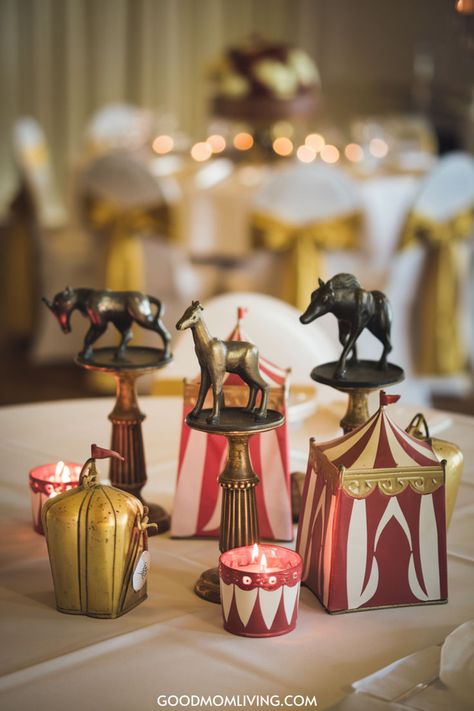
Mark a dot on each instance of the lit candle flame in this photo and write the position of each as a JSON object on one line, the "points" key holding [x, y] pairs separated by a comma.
{"points": [[263, 563], [59, 470], [254, 553]]}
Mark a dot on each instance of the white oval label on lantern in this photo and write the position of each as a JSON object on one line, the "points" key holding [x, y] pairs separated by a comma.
{"points": [[141, 571]]}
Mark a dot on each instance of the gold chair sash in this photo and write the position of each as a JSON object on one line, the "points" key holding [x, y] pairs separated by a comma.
{"points": [[437, 345], [304, 245], [125, 264]]}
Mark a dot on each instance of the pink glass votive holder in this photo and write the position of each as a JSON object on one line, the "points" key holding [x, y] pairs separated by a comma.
{"points": [[260, 587], [45, 483]]}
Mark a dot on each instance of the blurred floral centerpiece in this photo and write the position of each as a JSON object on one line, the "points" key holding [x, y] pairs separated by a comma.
{"points": [[262, 81]]}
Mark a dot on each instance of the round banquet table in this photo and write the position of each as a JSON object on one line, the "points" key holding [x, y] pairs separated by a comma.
{"points": [[174, 643]]}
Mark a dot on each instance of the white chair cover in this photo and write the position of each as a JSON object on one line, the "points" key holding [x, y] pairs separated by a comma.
{"points": [[445, 193], [33, 160], [303, 194], [448, 189], [118, 125]]}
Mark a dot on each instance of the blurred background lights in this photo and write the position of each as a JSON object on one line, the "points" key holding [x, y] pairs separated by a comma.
{"points": [[243, 141], [283, 146], [315, 141], [217, 142], [378, 147], [354, 152], [306, 154], [330, 154], [163, 144], [201, 151]]}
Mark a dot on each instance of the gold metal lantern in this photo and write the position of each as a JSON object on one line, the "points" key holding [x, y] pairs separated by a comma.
{"points": [[97, 545], [448, 451]]}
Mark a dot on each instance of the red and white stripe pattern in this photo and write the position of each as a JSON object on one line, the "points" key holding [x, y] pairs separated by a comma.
{"points": [[198, 496], [378, 550]]}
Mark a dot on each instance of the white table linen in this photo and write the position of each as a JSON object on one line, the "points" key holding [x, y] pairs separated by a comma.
{"points": [[174, 643]]}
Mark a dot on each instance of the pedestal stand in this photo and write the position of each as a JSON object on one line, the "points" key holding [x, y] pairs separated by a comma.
{"points": [[239, 523], [361, 379], [126, 417]]}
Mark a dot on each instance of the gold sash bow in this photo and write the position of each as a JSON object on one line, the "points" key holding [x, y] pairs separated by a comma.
{"points": [[125, 264], [437, 346], [304, 245]]}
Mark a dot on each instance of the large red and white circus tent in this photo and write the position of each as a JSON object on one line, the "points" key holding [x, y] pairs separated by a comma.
{"points": [[198, 497], [372, 532]]}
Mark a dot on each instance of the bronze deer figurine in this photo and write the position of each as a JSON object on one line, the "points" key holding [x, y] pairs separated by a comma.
{"points": [[217, 358]]}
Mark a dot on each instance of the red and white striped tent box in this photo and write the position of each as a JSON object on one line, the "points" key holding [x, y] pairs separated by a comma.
{"points": [[372, 532], [198, 497]]}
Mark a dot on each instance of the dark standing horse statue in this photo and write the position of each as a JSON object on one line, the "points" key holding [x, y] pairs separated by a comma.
{"points": [[355, 309], [121, 308], [217, 358]]}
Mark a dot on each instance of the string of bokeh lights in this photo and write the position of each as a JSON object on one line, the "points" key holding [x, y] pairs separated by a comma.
{"points": [[314, 145]]}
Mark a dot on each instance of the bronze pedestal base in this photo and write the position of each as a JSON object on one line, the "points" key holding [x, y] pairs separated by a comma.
{"points": [[239, 523], [126, 417], [361, 379]]}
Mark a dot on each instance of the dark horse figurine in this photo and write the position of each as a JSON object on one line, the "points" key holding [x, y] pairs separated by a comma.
{"points": [[121, 308], [217, 358], [355, 309]]}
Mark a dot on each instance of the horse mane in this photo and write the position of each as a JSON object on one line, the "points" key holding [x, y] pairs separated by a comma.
{"points": [[343, 281]]}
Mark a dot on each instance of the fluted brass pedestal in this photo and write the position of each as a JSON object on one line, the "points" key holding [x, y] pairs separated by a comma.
{"points": [[361, 379], [126, 417], [239, 522]]}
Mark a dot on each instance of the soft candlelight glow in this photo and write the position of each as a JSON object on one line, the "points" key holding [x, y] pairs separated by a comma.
{"points": [[47, 481], [243, 141], [306, 154], [259, 587], [283, 146], [330, 153], [163, 144], [354, 152], [217, 142], [201, 151], [378, 147], [315, 141]]}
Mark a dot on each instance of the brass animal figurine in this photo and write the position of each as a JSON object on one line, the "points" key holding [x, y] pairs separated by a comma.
{"points": [[217, 358], [101, 307], [355, 309]]}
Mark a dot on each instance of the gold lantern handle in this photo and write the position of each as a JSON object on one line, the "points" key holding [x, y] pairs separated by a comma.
{"points": [[414, 428]]}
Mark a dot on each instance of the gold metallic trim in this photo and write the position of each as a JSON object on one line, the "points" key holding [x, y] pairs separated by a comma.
{"points": [[360, 483]]}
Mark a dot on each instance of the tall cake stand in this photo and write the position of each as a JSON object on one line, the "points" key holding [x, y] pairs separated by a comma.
{"points": [[126, 417], [239, 522], [362, 378]]}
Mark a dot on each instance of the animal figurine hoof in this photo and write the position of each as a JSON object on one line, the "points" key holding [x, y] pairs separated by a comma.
{"points": [[212, 419], [340, 374], [259, 416]]}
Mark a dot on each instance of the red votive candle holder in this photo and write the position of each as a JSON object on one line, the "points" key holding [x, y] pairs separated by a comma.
{"points": [[260, 587], [49, 480]]}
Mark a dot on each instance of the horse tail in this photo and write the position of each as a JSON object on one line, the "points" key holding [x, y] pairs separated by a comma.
{"points": [[159, 306]]}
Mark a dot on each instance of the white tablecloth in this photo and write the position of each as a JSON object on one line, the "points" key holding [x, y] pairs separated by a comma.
{"points": [[174, 643]]}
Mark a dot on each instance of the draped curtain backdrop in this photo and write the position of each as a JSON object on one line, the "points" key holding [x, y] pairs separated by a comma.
{"points": [[61, 60]]}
